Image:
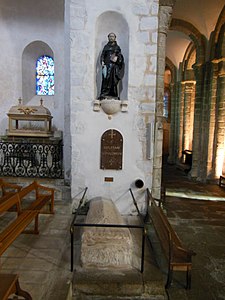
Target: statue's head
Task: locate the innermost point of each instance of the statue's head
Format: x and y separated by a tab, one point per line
111	37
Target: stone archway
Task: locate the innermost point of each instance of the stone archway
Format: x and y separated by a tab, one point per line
193	33
192	91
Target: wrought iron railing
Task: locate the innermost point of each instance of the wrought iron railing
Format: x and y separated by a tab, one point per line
24	158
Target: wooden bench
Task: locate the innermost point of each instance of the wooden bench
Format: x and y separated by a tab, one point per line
179	258
42	196
18	224
9	284
7	190
222	181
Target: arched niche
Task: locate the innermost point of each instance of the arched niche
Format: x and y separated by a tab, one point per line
29	57
107	22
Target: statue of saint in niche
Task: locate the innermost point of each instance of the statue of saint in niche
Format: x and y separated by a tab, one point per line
112	62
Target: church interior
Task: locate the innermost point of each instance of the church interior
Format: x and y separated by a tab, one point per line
144	160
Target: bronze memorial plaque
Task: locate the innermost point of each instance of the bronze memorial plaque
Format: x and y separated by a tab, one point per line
111	150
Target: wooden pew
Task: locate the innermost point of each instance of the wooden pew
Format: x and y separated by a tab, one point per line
42	196
179	258
17	225
222	181
9	284
7	190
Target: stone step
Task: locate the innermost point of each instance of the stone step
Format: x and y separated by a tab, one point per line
117	284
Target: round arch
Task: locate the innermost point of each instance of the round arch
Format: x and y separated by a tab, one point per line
29	57
198	39
173	70
220	23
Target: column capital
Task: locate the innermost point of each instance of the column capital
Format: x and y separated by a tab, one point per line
165	17
218	60
198	69
219	64
188	82
189	86
221	71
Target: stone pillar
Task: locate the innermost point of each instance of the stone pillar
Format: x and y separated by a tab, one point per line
220	123
165	12
171	158
197	147
212	92
177	120
181	122
189	88
192	111
182	118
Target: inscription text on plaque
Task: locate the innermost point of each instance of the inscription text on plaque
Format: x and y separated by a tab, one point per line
111	150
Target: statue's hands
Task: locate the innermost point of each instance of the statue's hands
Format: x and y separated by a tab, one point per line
114	57
103	63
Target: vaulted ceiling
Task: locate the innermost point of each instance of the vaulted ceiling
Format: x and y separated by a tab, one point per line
202	14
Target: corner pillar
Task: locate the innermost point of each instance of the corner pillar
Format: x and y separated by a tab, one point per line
165	15
220	123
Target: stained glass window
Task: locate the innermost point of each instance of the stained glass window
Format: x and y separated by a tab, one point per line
165	104
45	76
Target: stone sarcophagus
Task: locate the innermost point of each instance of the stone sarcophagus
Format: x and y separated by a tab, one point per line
31	121
105	247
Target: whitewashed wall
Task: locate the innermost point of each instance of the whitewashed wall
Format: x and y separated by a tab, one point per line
24	22
137	36
76	41
25	27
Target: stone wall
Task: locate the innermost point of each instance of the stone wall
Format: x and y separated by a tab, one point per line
23	24
30	29
136	26
198	98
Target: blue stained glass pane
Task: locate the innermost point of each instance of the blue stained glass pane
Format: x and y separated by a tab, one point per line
165	105
45	76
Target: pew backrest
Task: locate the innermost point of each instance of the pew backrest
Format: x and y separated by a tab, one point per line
10	202
8	188
42	196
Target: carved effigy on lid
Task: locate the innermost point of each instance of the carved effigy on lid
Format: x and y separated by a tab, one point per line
24	120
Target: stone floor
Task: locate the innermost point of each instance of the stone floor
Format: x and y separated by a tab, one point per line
43	261
201	227
199	221
178	184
